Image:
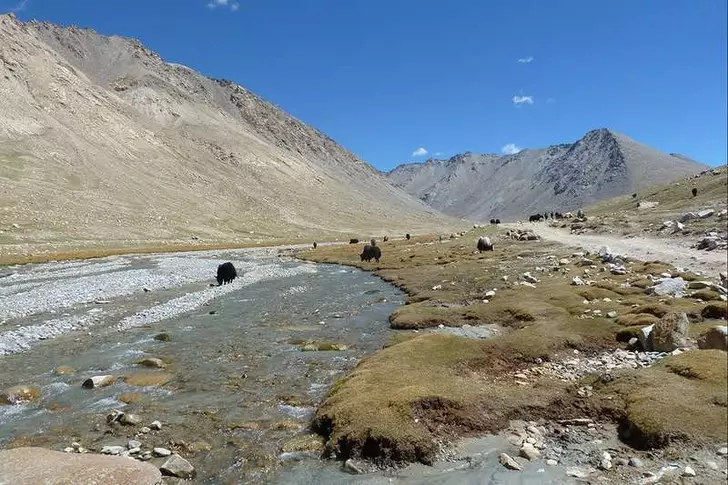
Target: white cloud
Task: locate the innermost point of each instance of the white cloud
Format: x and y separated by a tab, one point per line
234	6
511	149
525	60
438	154
517	100
420	152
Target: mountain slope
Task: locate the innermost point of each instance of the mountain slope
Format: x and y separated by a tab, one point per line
101	139
564	177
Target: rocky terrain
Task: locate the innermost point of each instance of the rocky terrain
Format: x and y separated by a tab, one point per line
103	140
602	165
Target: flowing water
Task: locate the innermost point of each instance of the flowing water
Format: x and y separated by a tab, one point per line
237	385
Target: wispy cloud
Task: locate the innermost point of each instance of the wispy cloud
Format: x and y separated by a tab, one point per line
420	152
438	154
19	7
550	100
519	100
525	60
511	149
234	6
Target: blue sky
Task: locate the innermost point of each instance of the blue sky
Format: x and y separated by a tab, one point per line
387	77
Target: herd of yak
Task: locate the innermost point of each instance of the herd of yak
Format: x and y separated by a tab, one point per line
226	272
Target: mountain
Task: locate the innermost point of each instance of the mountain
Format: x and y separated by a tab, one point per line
562	178
101	139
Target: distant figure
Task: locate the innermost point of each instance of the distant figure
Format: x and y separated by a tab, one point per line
386	238
353	241
552	215
484	244
407	236
492	221
497	221
546	216
558	215
373	242
634	196
535	218
315	245
226	273
695	192
580	214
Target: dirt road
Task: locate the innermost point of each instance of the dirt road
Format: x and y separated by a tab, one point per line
670	251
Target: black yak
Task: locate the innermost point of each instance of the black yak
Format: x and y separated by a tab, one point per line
371	252
365	253
226	273
484	244
353	241
386	238
497	221
492	221
407	236
695	192
535	218
315	244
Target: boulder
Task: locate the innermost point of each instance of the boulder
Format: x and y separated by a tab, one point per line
98	381
19	394
715	338
670	287
670	332
706	213
530	452
509	462
152	362
30	465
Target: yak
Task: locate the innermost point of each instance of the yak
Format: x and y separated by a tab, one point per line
353	241
407	236
315	244
484	244
226	273
371	252
535	218
497	221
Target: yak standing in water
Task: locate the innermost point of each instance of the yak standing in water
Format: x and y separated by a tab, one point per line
226	273
484	244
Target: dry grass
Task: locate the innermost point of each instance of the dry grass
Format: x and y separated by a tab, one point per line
423	387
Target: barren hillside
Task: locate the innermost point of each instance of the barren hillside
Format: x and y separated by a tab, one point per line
102	140
603	164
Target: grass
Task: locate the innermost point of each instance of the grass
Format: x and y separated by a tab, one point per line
682	398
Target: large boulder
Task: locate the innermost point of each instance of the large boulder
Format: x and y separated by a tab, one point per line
715	338
670	332
32	466
670	287
19	394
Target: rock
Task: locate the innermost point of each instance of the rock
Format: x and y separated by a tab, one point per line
645	337
152	362
715	311
612	314
688	216
352	467
162	337
98	381
635	462
527	276
162	452
563	262
21	466
148	379
134	444
723	277
723	451
529	451
552	462
705	213
177	466
633	342
301	443
577	421
708	243
577	473
509	462
715	338
19	394
679	226
606	461
144	430
63	370
156	425
112	450
145	456
689	472
670	332
667	224
129	419
670	287
490	294
576	281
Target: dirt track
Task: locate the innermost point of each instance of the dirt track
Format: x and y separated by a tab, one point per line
674	252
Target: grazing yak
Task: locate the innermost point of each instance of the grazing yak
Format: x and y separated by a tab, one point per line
492	221
226	273
484	244
407	236
497	221
371	252
386	238
353	241
695	192
535	218
315	244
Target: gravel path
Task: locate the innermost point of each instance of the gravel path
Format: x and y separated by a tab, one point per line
644	249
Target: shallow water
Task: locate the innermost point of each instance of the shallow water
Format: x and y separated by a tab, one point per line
240	380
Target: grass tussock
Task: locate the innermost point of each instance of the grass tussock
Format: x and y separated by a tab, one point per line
682	398
422	387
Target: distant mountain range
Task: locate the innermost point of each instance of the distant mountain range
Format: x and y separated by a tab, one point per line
603	164
102	139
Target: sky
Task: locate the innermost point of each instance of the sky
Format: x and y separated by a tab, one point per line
405	80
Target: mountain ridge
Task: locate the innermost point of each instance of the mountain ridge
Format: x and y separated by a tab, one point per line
602	164
102	139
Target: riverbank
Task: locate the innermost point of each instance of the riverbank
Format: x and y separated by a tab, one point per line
409	401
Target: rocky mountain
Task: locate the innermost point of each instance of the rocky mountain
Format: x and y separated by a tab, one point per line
564	177
101	139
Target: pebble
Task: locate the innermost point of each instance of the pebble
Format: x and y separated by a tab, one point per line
112	450
134	444
177	466
635	462
145	455
351	467
723	451
577	473
552	462
689	472
156	425
144	430
509	462
130	419
530	452
162	452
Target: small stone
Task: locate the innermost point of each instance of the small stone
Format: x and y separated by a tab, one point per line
689	472
635	462
144	430
509	462
134	451
162	452
712	465
606	461
177	466
152	362
112	450
552	462
156	425
577	473
19	394
352	467
563	262
68	449
63	370
576	281
130	419
98	381
490	294
145	456
612	314
723	451
162	337
134	444
530	452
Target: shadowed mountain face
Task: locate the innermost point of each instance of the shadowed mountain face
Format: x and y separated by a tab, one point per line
561	178
101	139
